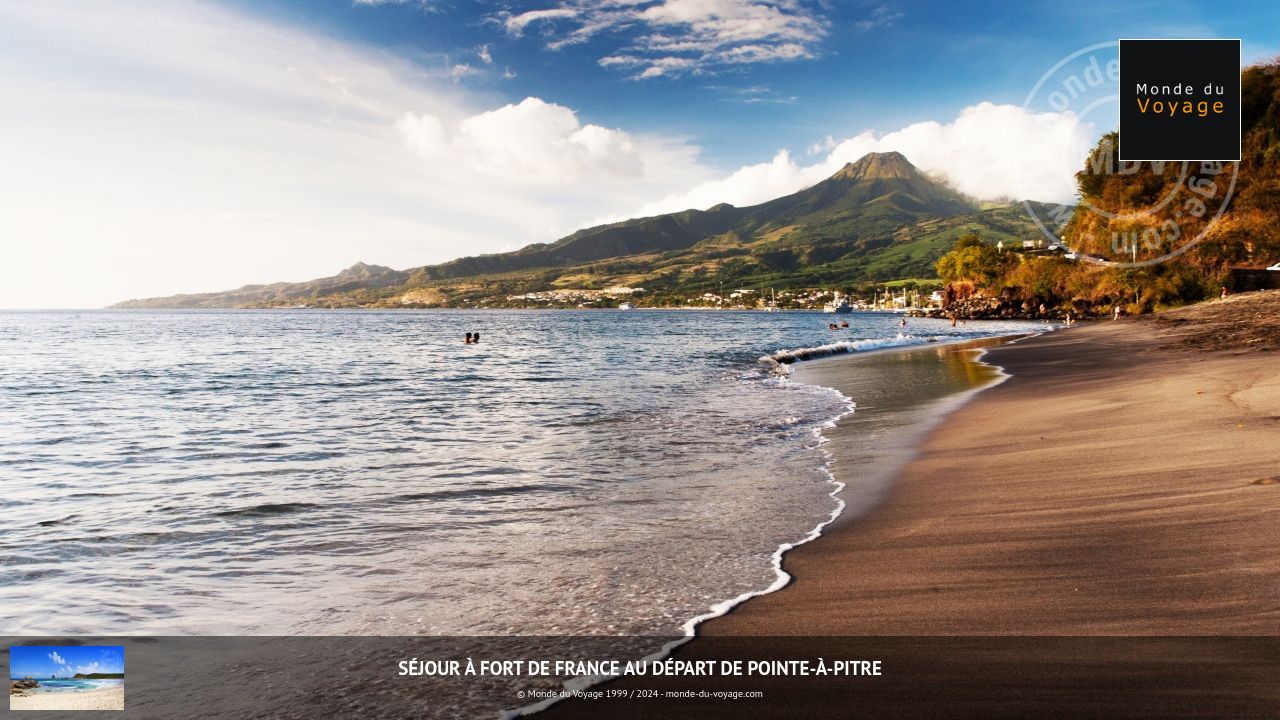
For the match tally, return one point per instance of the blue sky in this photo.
(42, 661)
(880, 65)
(167, 146)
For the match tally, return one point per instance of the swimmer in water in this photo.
(468, 340)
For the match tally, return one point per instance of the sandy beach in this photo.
(110, 698)
(1123, 481)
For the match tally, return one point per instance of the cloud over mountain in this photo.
(989, 151)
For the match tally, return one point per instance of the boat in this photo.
(839, 305)
(626, 306)
(772, 305)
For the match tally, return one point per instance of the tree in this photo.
(972, 260)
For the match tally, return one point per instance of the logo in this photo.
(1127, 213)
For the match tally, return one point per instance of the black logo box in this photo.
(1179, 64)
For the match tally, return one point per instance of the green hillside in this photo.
(875, 220)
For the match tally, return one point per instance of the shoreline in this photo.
(919, 415)
(924, 416)
(1012, 455)
(1096, 531)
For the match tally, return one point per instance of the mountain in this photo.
(879, 218)
(355, 278)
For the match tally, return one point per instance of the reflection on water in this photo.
(899, 395)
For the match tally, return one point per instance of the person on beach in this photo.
(1069, 320)
(1116, 316)
(468, 340)
(1224, 292)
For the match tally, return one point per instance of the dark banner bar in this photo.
(712, 677)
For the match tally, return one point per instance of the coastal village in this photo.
(924, 296)
(887, 298)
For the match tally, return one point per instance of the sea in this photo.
(309, 472)
(72, 685)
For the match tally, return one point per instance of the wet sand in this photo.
(110, 698)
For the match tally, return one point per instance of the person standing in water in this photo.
(468, 340)
(475, 338)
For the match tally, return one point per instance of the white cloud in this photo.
(533, 140)
(461, 70)
(677, 37)
(179, 146)
(56, 658)
(882, 15)
(93, 667)
(485, 56)
(990, 151)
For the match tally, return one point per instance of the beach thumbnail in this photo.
(66, 677)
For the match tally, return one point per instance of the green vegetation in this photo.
(1247, 234)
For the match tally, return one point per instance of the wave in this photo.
(689, 630)
(786, 357)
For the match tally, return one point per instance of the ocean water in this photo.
(312, 472)
(63, 685)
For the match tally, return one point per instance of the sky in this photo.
(162, 146)
(43, 661)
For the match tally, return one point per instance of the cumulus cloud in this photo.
(989, 152)
(56, 658)
(677, 37)
(533, 140)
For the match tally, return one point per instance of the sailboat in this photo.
(772, 305)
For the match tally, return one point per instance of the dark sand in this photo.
(1125, 481)
(1118, 483)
